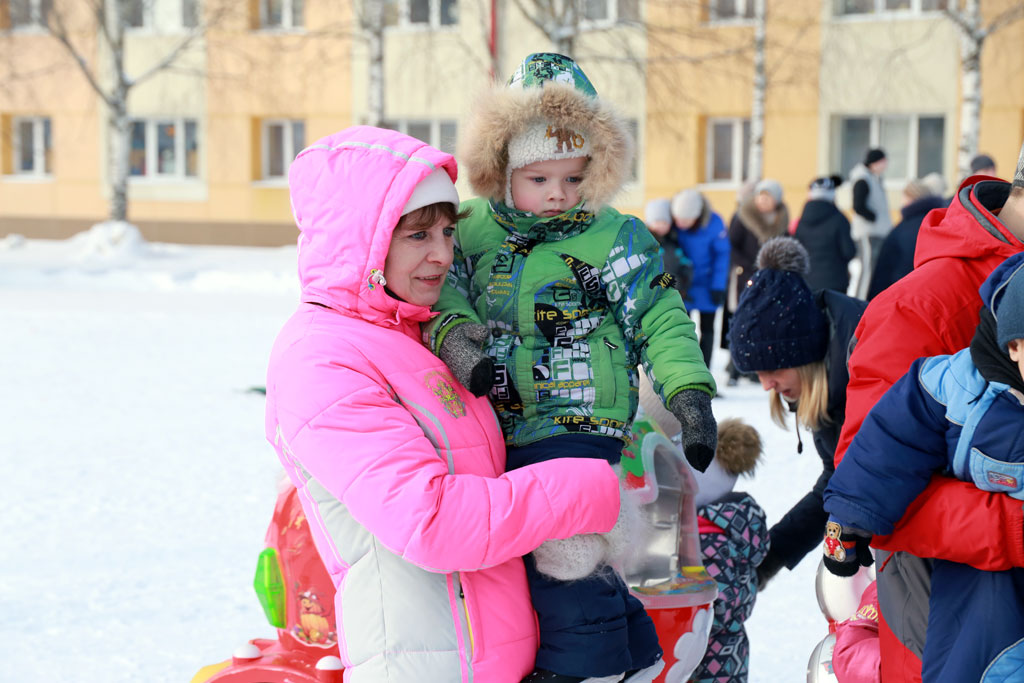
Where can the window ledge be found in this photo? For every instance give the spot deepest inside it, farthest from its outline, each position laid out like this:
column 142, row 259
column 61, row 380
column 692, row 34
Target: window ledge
column 273, row 183
column 720, row 185
column 280, row 30
column 730, row 22
column 29, row 178
column 890, row 15
column 27, row 30
column 164, row 180
column 422, row 28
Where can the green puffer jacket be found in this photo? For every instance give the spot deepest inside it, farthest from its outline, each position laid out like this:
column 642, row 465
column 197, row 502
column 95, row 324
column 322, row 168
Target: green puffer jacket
column 575, row 303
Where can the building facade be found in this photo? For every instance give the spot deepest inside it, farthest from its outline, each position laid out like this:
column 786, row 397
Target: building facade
column 211, row 137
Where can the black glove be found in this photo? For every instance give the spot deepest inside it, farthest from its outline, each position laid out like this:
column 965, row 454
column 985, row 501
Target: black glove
column 846, row 548
column 692, row 407
column 462, row 352
column 718, row 297
column 770, row 566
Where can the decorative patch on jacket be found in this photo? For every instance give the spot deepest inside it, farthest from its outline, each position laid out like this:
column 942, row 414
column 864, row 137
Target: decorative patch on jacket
column 588, row 277
column 441, row 385
column 665, row 281
column 1000, row 479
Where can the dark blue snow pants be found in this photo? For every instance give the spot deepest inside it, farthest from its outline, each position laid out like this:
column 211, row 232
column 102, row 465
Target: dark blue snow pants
column 593, row 626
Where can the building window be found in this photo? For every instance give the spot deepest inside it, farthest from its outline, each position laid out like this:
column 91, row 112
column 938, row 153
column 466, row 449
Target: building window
column 29, row 13
column 189, row 13
column 597, row 13
column 282, row 14
column 33, row 146
column 727, row 143
column 440, row 133
column 163, row 148
column 854, row 7
column 135, row 13
column 425, row 13
column 730, row 10
column 914, row 144
column 281, row 141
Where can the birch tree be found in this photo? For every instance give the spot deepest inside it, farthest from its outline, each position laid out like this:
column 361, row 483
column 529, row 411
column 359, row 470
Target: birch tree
column 973, row 34
column 755, row 158
column 106, row 71
column 371, row 22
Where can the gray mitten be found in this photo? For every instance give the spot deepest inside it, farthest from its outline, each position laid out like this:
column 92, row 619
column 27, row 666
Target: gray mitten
column 567, row 559
column 692, row 407
column 462, row 352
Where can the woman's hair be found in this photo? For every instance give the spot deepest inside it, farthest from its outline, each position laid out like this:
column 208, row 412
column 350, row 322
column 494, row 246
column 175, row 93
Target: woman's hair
column 424, row 217
column 812, row 407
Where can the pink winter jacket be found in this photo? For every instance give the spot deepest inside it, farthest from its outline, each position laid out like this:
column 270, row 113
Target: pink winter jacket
column 400, row 469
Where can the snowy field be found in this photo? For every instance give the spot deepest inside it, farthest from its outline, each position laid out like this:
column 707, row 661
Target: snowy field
column 137, row 482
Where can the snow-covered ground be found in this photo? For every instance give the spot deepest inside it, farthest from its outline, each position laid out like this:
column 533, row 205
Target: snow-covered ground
column 137, row 485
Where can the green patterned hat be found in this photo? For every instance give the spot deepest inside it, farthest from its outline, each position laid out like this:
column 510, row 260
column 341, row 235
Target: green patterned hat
column 541, row 67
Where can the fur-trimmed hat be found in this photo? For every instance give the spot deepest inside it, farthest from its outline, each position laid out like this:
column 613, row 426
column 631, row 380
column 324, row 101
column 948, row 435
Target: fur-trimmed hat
column 777, row 323
column 739, row 452
column 552, row 90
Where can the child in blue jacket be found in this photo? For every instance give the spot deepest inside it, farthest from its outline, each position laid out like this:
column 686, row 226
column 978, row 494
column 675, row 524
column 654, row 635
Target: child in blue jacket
column 963, row 414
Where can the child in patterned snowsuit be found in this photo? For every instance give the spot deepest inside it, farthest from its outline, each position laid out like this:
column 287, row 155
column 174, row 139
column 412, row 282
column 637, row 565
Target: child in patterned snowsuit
column 733, row 540
column 962, row 414
column 567, row 298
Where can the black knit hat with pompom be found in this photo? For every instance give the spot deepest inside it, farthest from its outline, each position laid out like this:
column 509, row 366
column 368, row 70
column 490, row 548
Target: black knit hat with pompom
column 777, row 323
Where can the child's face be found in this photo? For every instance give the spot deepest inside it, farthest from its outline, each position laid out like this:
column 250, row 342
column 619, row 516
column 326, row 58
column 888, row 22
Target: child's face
column 548, row 188
column 418, row 261
column 1017, row 354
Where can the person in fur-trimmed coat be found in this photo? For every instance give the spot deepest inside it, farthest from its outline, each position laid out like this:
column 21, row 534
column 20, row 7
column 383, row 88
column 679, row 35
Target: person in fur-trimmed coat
column 734, row 540
column 558, row 301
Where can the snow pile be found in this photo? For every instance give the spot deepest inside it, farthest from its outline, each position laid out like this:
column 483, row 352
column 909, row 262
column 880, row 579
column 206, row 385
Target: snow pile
column 110, row 240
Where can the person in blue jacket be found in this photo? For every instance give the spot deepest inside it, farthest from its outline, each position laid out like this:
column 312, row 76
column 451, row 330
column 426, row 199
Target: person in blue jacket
column 961, row 414
column 702, row 235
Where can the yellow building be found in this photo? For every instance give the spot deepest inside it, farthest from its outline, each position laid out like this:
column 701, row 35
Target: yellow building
column 211, row 138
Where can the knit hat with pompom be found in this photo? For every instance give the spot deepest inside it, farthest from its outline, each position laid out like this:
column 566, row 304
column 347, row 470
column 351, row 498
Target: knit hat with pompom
column 777, row 323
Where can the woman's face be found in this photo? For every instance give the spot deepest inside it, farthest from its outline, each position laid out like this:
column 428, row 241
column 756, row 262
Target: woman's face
column 785, row 381
column 764, row 202
column 418, row 260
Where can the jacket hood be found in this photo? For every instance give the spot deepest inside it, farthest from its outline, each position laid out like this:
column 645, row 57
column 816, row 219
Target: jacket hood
column 994, row 286
column 549, row 88
column 348, row 191
column 968, row 229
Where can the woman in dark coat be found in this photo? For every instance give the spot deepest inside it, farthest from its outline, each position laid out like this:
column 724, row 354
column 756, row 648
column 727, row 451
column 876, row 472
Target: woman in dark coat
column 797, row 342
column 756, row 221
column 825, row 233
column 896, row 255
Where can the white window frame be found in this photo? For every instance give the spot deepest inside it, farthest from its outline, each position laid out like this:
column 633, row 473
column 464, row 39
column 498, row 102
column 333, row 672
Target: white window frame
column 287, row 17
column 433, row 22
column 880, row 10
column 288, row 151
column 38, row 169
column 738, row 151
column 739, row 18
column 874, row 140
column 152, row 174
column 402, row 126
column 36, row 21
column 612, row 18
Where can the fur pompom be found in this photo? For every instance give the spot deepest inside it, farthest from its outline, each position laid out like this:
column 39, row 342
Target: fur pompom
column 784, row 253
column 739, row 446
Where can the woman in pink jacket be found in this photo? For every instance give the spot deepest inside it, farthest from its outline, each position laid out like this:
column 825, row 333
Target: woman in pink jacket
column 400, row 469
